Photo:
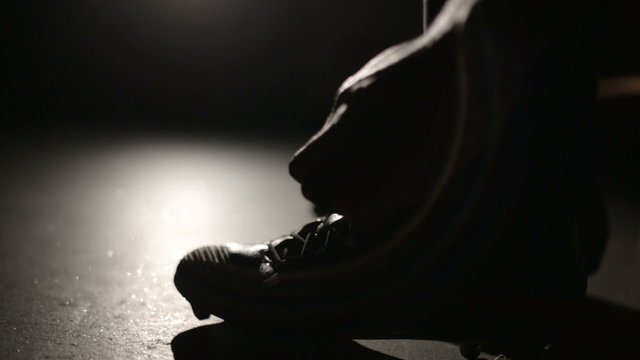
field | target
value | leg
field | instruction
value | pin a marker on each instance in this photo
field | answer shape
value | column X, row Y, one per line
column 449, row 165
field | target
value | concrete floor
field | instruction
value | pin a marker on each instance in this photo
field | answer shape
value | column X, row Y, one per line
column 91, row 231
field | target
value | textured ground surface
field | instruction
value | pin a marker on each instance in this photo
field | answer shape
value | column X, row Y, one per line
column 91, row 231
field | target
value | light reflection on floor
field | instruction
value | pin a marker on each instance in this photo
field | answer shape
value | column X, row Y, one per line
column 92, row 233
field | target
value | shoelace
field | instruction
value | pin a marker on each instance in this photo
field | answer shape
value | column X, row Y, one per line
column 310, row 241
column 288, row 247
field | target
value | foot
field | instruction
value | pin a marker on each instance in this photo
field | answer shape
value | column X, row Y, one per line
column 246, row 283
column 317, row 278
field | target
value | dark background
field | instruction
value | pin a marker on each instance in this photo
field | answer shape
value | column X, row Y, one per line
column 230, row 64
column 233, row 65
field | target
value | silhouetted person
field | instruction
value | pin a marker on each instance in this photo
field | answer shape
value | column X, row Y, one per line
column 461, row 164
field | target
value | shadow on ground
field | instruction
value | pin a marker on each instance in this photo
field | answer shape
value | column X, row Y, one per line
column 224, row 341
